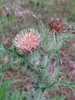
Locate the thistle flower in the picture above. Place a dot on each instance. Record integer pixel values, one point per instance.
(27, 40)
(56, 25)
(51, 69)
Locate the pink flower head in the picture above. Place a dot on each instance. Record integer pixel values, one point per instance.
(27, 40)
(51, 69)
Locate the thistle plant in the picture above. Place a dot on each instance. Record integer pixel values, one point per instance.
(35, 49)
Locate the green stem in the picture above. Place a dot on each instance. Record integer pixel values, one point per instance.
(38, 95)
